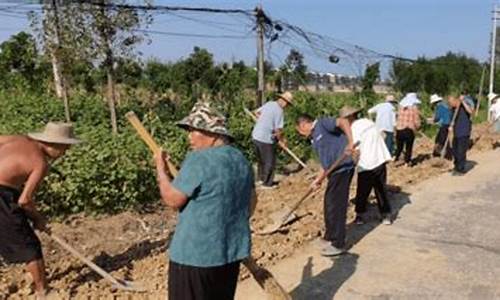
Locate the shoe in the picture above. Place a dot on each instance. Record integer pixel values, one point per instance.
(259, 183)
(332, 251)
(457, 173)
(323, 243)
(387, 220)
(359, 220)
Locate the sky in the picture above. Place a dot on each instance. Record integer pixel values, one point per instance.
(408, 28)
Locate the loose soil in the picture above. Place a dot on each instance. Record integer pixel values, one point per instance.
(132, 246)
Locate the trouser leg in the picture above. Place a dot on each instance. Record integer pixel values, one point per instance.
(335, 209)
(363, 189)
(460, 147)
(409, 138)
(389, 141)
(399, 143)
(379, 177)
(267, 155)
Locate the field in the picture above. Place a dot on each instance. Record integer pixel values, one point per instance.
(133, 245)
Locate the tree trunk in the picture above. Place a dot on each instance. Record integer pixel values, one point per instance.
(111, 92)
(59, 84)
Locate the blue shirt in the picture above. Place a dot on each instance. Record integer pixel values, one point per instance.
(271, 118)
(443, 114)
(386, 116)
(213, 228)
(463, 124)
(329, 143)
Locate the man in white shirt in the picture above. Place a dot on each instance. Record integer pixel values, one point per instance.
(495, 111)
(386, 120)
(372, 171)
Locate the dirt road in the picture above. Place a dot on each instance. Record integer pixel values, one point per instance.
(444, 245)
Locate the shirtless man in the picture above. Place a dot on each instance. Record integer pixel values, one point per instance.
(24, 162)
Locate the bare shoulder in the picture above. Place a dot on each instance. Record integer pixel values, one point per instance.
(28, 149)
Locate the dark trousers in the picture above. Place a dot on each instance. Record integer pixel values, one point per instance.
(460, 147)
(335, 207)
(194, 283)
(405, 138)
(389, 141)
(440, 140)
(266, 156)
(375, 179)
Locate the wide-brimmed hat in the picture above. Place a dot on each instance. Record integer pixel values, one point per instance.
(287, 96)
(410, 100)
(492, 96)
(435, 98)
(206, 118)
(390, 98)
(56, 133)
(347, 111)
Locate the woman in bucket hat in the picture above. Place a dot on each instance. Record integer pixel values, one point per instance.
(213, 192)
(23, 165)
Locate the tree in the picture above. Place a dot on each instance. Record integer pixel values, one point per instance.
(295, 64)
(372, 74)
(114, 32)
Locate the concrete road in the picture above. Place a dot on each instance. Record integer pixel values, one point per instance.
(445, 244)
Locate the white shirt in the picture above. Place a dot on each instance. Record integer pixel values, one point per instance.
(271, 118)
(495, 109)
(386, 116)
(372, 148)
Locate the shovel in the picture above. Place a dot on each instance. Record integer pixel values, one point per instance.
(284, 217)
(263, 277)
(117, 283)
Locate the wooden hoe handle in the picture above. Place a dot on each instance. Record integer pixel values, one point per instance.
(148, 139)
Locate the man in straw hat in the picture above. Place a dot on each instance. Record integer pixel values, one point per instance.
(23, 165)
(442, 117)
(214, 192)
(386, 120)
(331, 138)
(268, 130)
(371, 166)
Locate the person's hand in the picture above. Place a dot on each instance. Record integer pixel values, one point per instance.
(284, 142)
(316, 184)
(161, 159)
(356, 155)
(349, 150)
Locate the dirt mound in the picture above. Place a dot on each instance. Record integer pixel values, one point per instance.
(132, 246)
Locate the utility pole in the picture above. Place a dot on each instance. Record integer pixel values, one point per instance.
(58, 72)
(260, 16)
(492, 54)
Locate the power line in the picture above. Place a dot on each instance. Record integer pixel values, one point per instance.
(185, 34)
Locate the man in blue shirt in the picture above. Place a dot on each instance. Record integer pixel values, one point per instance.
(267, 131)
(214, 192)
(461, 128)
(331, 138)
(442, 117)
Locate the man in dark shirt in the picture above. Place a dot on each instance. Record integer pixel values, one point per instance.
(461, 128)
(331, 138)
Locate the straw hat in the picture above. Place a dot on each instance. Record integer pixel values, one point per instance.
(347, 111)
(435, 98)
(390, 98)
(492, 96)
(206, 118)
(410, 100)
(287, 96)
(56, 133)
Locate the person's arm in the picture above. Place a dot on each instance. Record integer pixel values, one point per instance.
(344, 125)
(318, 180)
(279, 123)
(418, 123)
(373, 110)
(470, 110)
(26, 199)
(169, 194)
